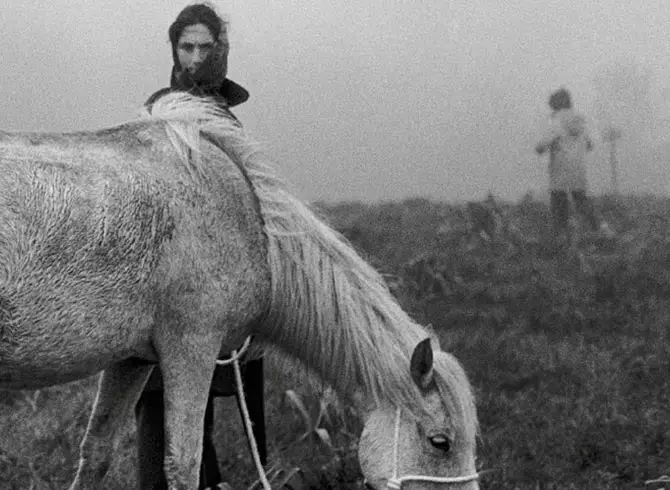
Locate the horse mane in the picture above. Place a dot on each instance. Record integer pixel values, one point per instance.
(328, 307)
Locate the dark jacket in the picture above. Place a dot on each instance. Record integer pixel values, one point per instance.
(228, 94)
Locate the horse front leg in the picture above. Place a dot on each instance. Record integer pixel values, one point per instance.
(119, 389)
(187, 376)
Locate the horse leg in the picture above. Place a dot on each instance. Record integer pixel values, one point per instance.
(187, 375)
(118, 391)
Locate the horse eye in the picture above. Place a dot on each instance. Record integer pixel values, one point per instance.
(440, 442)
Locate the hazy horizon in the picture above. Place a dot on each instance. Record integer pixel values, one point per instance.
(381, 100)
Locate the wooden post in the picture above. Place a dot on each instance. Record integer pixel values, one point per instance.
(613, 164)
(611, 135)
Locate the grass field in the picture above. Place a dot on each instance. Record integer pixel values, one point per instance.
(566, 346)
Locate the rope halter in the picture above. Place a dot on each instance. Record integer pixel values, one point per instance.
(396, 482)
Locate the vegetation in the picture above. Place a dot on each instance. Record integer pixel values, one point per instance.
(566, 344)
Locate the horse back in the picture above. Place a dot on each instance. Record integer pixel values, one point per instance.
(103, 234)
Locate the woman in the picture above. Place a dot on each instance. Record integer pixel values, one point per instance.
(200, 48)
(199, 39)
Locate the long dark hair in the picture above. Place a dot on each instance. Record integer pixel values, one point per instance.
(199, 13)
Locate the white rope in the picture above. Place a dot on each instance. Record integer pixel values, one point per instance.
(236, 354)
(660, 479)
(234, 359)
(395, 483)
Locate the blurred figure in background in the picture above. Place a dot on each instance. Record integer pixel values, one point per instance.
(568, 142)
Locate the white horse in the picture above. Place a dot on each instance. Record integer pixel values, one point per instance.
(168, 239)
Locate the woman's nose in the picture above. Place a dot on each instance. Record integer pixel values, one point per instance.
(198, 56)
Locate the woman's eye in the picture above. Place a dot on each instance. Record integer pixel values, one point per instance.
(440, 442)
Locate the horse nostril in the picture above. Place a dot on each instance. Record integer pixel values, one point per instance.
(368, 486)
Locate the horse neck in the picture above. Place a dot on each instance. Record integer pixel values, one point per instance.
(331, 310)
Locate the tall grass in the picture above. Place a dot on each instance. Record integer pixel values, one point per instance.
(567, 348)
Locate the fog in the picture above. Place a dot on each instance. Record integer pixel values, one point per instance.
(372, 100)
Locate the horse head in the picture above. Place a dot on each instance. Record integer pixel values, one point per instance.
(433, 449)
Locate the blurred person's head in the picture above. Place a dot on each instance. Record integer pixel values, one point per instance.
(560, 99)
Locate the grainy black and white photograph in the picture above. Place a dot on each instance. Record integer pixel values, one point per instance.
(380, 245)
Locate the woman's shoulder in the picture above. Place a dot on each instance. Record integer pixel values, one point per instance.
(233, 92)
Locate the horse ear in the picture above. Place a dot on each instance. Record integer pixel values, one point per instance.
(421, 365)
(435, 340)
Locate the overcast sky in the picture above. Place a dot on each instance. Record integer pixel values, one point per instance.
(369, 100)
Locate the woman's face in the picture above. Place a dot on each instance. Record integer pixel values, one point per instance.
(195, 45)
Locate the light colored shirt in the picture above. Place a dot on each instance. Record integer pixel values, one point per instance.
(567, 139)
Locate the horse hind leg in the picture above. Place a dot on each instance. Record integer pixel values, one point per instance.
(119, 389)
